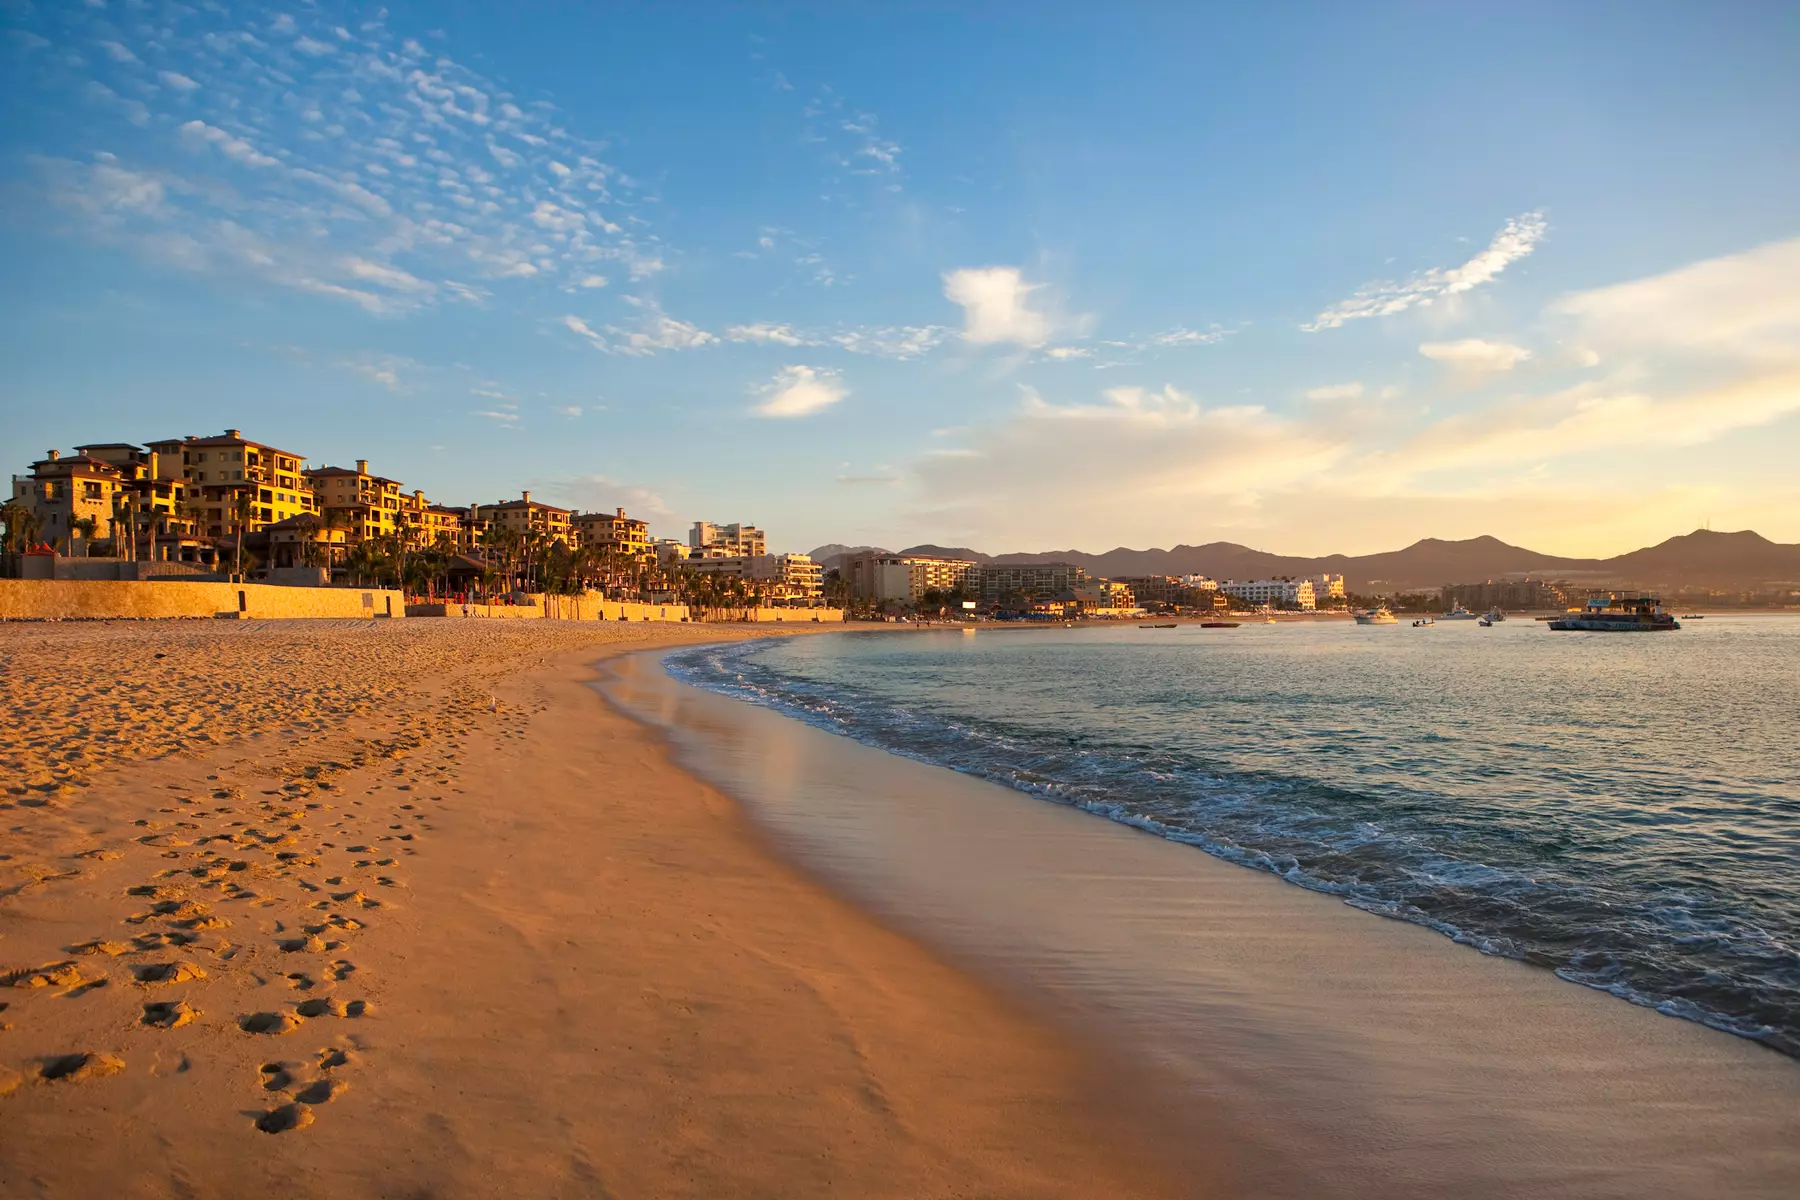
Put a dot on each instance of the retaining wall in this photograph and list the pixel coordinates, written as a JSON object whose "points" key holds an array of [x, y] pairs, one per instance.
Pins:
{"points": [[46, 598]]}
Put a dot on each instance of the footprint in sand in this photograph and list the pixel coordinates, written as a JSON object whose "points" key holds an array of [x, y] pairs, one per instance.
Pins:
{"points": [[332, 1057], [341, 970], [321, 1091], [63, 974], [285, 1118], [269, 1022], [100, 946], [92, 1064], [169, 972], [169, 1014], [323, 1006]]}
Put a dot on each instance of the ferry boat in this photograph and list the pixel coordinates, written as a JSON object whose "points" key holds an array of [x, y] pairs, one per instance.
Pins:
{"points": [[1618, 614], [1379, 615], [1459, 613]]}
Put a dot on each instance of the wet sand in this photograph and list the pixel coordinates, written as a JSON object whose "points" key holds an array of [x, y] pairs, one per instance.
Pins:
{"points": [[404, 908], [1338, 1053]]}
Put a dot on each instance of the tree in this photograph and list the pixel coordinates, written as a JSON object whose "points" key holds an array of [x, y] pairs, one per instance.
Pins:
{"points": [[86, 527], [22, 527], [243, 508]]}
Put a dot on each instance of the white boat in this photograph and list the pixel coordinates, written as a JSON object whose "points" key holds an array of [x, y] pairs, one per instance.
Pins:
{"points": [[1618, 614], [1459, 613], [1379, 615]]}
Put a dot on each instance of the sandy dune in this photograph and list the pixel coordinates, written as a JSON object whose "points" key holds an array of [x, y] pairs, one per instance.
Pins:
{"points": [[403, 909]]}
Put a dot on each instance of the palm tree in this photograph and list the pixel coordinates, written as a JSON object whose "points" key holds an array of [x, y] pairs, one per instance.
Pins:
{"points": [[243, 508], [86, 527], [22, 528], [125, 505]]}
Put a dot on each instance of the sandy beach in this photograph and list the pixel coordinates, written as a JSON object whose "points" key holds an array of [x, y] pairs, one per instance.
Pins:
{"points": [[404, 908]]}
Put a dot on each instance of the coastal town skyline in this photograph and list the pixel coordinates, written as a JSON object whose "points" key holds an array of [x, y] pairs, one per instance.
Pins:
{"points": [[1005, 314]]}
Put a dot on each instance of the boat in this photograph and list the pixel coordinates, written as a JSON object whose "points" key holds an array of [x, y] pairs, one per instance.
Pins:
{"points": [[1618, 614], [1424, 621], [1485, 622], [1693, 616], [1379, 615], [1220, 624], [1494, 614], [1170, 625], [1459, 613]]}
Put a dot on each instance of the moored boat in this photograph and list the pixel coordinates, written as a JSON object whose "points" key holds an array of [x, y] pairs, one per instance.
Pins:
{"points": [[1379, 615], [1458, 613], [1220, 624], [1618, 614]]}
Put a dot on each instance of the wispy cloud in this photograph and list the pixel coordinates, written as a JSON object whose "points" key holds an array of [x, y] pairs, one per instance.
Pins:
{"points": [[653, 332], [1516, 239], [351, 164], [384, 369], [880, 341], [800, 391], [1336, 391]]}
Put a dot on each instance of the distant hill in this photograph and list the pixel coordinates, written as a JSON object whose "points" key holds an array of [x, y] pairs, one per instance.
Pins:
{"points": [[930, 551], [1703, 558]]}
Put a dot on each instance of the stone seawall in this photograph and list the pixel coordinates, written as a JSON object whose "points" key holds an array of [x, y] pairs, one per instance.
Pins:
{"points": [[592, 608], [38, 599]]}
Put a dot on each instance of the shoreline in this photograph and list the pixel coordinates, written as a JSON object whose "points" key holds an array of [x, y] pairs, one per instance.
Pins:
{"points": [[1348, 1055], [436, 918]]}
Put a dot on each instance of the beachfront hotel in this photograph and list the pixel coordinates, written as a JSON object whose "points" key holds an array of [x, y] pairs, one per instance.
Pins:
{"points": [[1274, 593], [785, 576], [190, 500], [902, 578], [708, 540], [613, 533]]}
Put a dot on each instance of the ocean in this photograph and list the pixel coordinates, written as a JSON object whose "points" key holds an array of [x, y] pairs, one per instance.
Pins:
{"points": [[1621, 810]]}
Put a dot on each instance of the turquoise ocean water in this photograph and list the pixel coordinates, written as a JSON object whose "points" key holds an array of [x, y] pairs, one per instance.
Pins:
{"points": [[1621, 809]]}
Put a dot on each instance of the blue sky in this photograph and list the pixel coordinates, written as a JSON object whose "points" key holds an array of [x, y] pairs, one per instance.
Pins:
{"points": [[1308, 277]]}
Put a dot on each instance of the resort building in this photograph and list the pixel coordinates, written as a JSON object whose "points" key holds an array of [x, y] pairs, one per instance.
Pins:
{"points": [[426, 523], [707, 540], [364, 504], [234, 485], [784, 576], [877, 578], [1327, 587], [1170, 591], [998, 584], [65, 494], [1273, 593], [614, 533], [526, 516], [882, 578], [668, 551], [1514, 594], [306, 541], [1107, 597]]}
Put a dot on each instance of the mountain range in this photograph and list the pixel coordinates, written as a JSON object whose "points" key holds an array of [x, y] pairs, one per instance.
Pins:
{"points": [[1702, 559]]}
